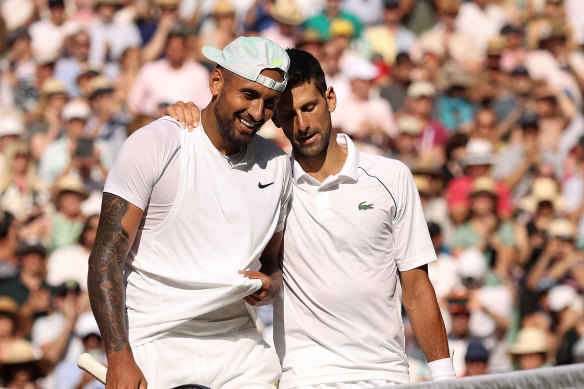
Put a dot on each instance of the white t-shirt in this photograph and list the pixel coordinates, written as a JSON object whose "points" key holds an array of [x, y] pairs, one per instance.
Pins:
{"points": [[339, 316], [205, 218]]}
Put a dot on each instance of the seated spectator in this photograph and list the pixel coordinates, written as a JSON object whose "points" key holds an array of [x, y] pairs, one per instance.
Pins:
{"points": [[477, 163], [54, 334], [8, 242], [531, 348], [409, 129], [168, 80], [567, 314], [287, 21], [70, 263], [322, 21], [23, 367], [12, 326], [395, 92], [454, 108], [67, 220], [30, 289], [48, 34], [67, 373], [68, 68], [476, 360]]}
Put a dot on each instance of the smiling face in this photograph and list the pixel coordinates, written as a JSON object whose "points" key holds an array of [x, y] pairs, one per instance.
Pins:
{"points": [[242, 106], [305, 116]]}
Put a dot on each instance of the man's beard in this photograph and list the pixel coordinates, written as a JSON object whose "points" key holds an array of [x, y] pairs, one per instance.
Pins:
{"points": [[317, 149], [228, 130]]}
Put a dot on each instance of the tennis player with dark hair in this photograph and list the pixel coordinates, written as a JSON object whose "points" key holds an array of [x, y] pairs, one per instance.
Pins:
{"points": [[190, 231], [356, 246]]}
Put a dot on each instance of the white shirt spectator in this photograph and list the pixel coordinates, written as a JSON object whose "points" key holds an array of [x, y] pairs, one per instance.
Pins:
{"points": [[117, 36], [367, 11], [157, 83], [47, 37], [480, 24]]}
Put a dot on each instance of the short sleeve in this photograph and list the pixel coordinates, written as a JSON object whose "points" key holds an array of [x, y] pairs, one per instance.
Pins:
{"points": [[286, 195], [412, 244], [141, 161]]}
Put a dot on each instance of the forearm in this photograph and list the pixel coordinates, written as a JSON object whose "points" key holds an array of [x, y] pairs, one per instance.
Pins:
{"points": [[105, 277], [55, 350], [426, 320]]}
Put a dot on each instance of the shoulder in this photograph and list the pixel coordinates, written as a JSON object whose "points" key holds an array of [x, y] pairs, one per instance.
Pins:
{"points": [[161, 132], [386, 167]]}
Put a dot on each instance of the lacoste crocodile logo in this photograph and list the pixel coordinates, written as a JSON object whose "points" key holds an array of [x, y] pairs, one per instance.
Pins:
{"points": [[363, 206]]}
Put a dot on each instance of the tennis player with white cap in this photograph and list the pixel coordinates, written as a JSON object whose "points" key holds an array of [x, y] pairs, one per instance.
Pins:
{"points": [[190, 231]]}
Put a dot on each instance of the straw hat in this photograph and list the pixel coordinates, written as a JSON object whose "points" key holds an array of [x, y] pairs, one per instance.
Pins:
{"points": [[342, 27], [223, 8], [286, 12], [448, 5], [483, 185], [423, 184], [8, 304], [53, 86], [21, 351], [561, 229], [495, 46], [411, 125], [530, 340], [11, 124], [421, 89], [426, 164], [543, 189], [73, 184]]}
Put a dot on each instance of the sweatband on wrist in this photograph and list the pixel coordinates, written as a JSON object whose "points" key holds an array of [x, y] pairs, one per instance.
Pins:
{"points": [[441, 369]]}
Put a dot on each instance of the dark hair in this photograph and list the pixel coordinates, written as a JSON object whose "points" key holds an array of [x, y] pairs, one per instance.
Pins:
{"points": [[5, 223], [304, 69], [434, 229], [458, 139]]}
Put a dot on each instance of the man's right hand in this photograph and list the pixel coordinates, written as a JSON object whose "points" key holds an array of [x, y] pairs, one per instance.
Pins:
{"points": [[123, 372], [188, 114]]}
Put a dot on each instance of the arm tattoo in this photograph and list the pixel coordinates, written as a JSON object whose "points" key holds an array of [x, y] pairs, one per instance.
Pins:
{"points": [[105, 279]]}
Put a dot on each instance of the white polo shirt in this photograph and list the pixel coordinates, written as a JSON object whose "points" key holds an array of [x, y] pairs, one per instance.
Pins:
{"points": [[205, 218], [339, 316]]}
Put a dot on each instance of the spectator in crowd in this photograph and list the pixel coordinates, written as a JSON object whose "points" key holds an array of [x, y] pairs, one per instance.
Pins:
{"points": [[23, 367], [109, 38], [530, 351], [395, 92], [453, 108], [363, 115], [334, 73], [68, 68], [480, 20], [70, 262], [48, 34], [390, 37], [332, 11], [29, 288], [409, 129], [169, 79], [286, 29], [11, 326], [67, 220], [476, 360]]}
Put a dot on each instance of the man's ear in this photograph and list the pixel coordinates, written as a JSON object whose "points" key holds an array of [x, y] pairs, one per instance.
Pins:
{"points": [[331, 99], [216, 82]]}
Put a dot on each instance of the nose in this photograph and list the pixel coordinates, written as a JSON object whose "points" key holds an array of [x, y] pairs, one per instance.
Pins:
{"points": [[256, 110], [302, 123]]}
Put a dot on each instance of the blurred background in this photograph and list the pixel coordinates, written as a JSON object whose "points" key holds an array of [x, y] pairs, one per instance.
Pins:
{"points": [[482, 99]]}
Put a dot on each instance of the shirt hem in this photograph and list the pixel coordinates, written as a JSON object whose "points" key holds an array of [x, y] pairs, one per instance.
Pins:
{"points": [[400, 378]]}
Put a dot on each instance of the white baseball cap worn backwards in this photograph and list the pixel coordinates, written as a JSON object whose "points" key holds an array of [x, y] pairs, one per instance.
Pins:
{"points": [[248, 56]]}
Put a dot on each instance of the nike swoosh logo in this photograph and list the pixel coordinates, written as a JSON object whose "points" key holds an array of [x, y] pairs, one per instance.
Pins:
{"points": [[262, 186]]}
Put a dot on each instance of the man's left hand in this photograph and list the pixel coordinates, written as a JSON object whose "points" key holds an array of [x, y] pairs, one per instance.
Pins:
{"points": [[269, 291]]}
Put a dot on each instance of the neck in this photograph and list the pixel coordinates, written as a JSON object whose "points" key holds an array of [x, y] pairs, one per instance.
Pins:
{"points": [[211, 127], [327, 164]]}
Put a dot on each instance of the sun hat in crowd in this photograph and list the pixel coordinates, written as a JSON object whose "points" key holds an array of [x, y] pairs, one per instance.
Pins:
{"points": [[342, 27], [8, 305], [562, 229], [71, 183], [223, 8], [421, 89], [495, 46], [286, 12], [543, 189], [453, 75], [76, 109], [478, 152], [471, 264], [116, 3], [530, 340], [561, 297], [483, 185], [248, 56], [53, 86], [411, 125], [86, 325], [11, 124], [361, 69], [21, 351], [451, 6]]}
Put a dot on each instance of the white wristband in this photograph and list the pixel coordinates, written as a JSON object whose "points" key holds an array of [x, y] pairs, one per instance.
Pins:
{"points": [[441, 369]]}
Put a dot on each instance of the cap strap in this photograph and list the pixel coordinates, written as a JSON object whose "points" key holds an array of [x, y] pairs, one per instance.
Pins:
{"points": [[272, 84]]}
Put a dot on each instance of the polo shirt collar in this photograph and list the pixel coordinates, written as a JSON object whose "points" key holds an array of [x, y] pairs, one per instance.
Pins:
{"points": [[349, 170]]}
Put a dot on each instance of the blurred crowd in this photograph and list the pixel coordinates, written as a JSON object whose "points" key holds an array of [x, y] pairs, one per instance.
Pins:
{"points": [[482, 99]]}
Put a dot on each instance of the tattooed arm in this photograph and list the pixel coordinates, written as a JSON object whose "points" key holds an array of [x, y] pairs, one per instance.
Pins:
{"points": [[117, 229]]}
